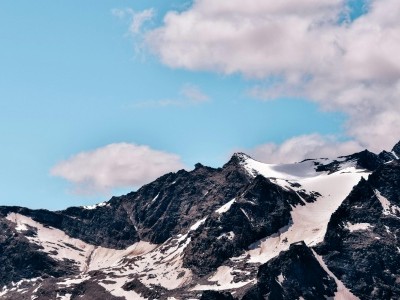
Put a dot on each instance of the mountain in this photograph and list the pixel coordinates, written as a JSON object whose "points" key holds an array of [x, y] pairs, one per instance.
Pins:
{"points": [[320, 228]]}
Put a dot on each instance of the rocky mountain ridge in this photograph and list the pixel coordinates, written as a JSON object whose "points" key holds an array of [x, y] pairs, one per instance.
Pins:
{"points": [[248, 230]]}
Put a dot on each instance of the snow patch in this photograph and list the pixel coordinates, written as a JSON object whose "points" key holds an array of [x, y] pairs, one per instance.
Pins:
{"points": [[21, 227], [358, 226], [90, 207], [155, 198], [222, 276], [105, 257], [387, 229], [395, 155], [72, 281], [384, 202], [224, 208], [280, 278], [244, 212], [65, 297], [20, 287], [197, 224], [224, 281], [388, 208], [234, 285], [229, 235]]}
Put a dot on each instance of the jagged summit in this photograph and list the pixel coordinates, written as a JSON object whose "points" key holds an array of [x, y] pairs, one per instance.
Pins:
{"points": [[396, 150], [241, 155], [239, 158]]}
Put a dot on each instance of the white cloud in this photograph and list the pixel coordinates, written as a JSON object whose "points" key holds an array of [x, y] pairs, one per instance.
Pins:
{"points": [[352, 67], [138, 26], [303, 147], [257, 38], [136, 19], [115, 166]]}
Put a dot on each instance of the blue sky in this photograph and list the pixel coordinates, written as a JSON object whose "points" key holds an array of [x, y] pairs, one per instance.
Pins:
{"points": [[71, 82]]}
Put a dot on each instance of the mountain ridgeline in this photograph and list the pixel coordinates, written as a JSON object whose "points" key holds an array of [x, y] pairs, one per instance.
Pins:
{"points": [[320, 228]]}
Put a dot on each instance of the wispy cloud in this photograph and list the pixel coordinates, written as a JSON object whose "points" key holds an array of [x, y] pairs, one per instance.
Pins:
{"points": [[118, 165], [139, 23], [140, 18], [136, 19], [190, 95]]}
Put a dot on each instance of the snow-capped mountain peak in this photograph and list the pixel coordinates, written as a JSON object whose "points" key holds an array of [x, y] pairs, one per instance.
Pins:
{"points": [[248, 230]]}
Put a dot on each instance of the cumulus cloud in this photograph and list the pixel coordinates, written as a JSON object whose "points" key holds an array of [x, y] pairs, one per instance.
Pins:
{"points": [[309, 47], [256, 39], [115, 166], [303, 147]]}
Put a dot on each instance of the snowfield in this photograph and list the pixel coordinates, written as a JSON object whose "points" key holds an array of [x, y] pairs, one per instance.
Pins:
{"points": [[310, 221]]}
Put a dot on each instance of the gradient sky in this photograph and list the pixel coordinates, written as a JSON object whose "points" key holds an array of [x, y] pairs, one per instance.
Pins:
{"points": [[76, 77]]}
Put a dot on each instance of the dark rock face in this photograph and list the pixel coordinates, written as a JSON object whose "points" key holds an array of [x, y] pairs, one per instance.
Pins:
{"points": [[154, 213], [20, 259], [386, 156], [293, 274], [259, 210], [137, 286], [363, 160], [366, 258], [214, 295], [107, 226], [172, 203], [396, 149]]}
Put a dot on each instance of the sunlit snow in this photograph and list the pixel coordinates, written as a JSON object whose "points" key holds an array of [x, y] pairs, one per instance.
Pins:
{"points": [[358, 226]]}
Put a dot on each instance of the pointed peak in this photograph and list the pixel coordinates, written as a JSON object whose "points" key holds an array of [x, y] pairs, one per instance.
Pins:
{"points": [[238, 158], [241, 156], [364, 154], [386, 156], [396, 149], [198, 166]]}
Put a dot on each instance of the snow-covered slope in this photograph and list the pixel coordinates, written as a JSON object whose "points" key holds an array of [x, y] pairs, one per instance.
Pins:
{"points": [[309, 221]]}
